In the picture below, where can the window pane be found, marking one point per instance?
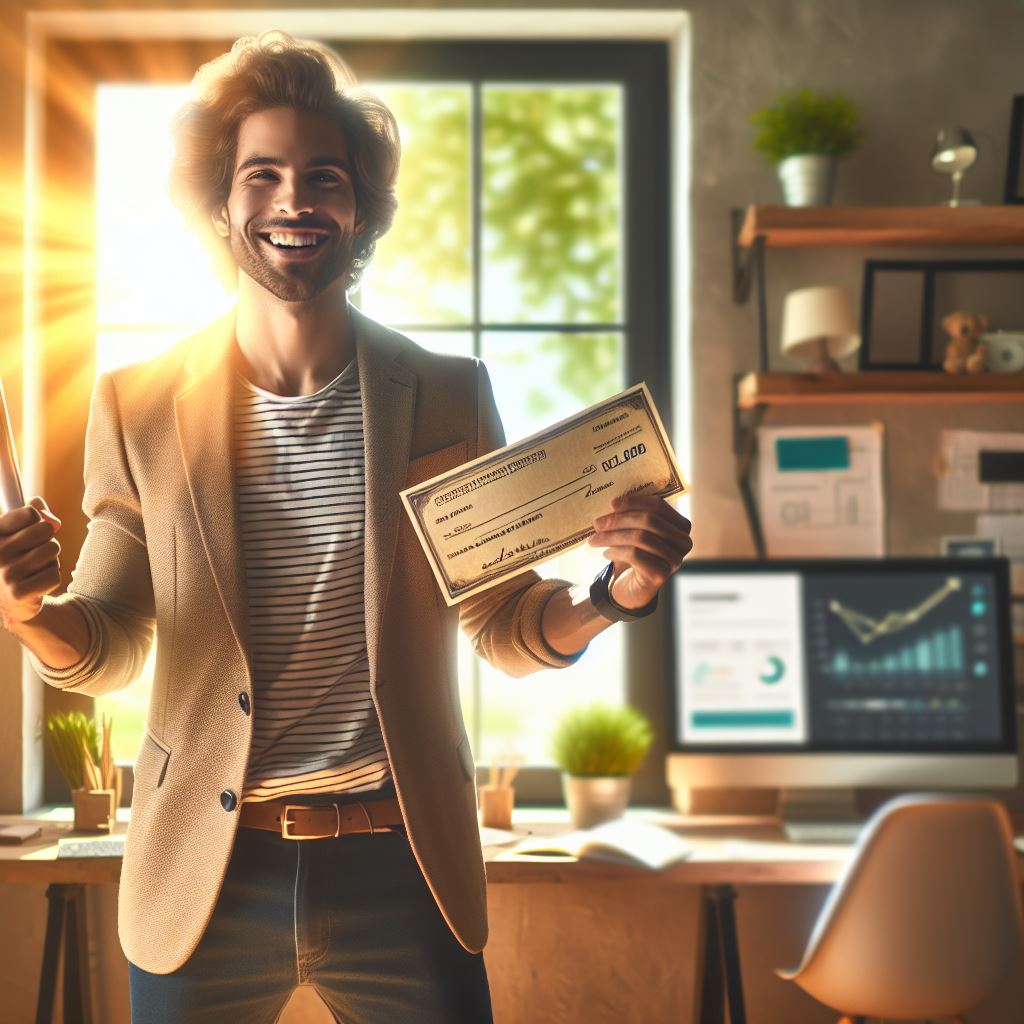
(552, 189)
(127, 708)
(151, 269)
(520, 713)
(539, 379)
(421, 272)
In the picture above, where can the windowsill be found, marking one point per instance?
(66, 813)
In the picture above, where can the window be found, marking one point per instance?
(531, 231)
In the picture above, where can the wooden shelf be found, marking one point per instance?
(877, 387)
(883, 225)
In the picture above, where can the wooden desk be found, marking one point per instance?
(732, 852)
(35, 862)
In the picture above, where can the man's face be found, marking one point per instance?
(291, 214)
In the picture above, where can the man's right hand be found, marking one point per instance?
(29, 562)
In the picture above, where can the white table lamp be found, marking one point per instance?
(818, 323)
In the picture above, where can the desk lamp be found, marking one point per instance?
(955, 150)
(818, 322)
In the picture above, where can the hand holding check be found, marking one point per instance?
(646, 540)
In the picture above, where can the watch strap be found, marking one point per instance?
(601, 599)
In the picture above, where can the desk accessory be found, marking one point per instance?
(498, 797)
(598, 748)
(625, 841)
(95, 782)
(955, 151)
(91, 846)
(11, 834)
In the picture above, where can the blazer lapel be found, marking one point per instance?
(203, 413)
(388, 392)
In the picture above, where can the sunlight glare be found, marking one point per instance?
(155, 279)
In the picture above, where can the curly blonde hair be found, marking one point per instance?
(276, 70)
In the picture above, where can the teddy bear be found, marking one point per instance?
(964, 352)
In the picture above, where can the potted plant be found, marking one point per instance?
(598, 747)
(803, 134)
(91, 775)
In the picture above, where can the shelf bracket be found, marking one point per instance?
(745, 263)
(745, 448)
(746, 266)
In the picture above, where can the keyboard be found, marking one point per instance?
(823, 832)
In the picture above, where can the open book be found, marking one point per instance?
(623, 841)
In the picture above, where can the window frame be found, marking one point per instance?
(68, 354)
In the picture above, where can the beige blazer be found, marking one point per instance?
(163, 551)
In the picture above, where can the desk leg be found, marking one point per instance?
(719, 966)
(51, 953)
(77, 995)
(65, 919)
(725, 896)
(710, 1008)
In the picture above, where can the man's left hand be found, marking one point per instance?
(646, 540)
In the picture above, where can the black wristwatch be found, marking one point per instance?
(602, 600)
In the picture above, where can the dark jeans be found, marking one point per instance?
(352, 916)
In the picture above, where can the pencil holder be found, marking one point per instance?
(94, 809)
(496, 804)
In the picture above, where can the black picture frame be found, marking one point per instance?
(927, 269)
(1013, 190)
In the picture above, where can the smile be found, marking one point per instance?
(293, 239)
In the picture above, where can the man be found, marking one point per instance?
(242, 491)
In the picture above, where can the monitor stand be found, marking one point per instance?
(820, 815)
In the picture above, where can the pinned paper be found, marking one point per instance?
(976, 471)
(821, 490)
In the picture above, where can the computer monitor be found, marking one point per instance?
(843, 673)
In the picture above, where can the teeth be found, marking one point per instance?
(294, 240)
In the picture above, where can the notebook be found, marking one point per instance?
(19, 833)
(623, 841)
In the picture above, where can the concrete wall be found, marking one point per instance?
(913, 66)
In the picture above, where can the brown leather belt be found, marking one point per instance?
(322, 821)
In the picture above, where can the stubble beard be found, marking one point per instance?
(297, 282)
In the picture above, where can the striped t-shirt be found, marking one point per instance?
(301, 498)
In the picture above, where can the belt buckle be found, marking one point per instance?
(285, 823)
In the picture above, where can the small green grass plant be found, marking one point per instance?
(71, 733)
(807, 123)
(600, 740)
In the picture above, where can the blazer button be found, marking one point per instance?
(243, 700)
(228, 800)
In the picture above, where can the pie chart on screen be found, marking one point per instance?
(774, 670)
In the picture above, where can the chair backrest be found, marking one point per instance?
(927, 920)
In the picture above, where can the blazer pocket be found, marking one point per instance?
(151, 762)
(423, 467)
(465, 753)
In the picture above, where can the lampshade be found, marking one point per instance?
(819, 318)
(955, 150)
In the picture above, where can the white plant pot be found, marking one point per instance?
(807, 180)
(595, 799)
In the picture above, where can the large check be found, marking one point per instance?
(492, 518)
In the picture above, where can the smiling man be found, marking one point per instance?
(304, 805)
